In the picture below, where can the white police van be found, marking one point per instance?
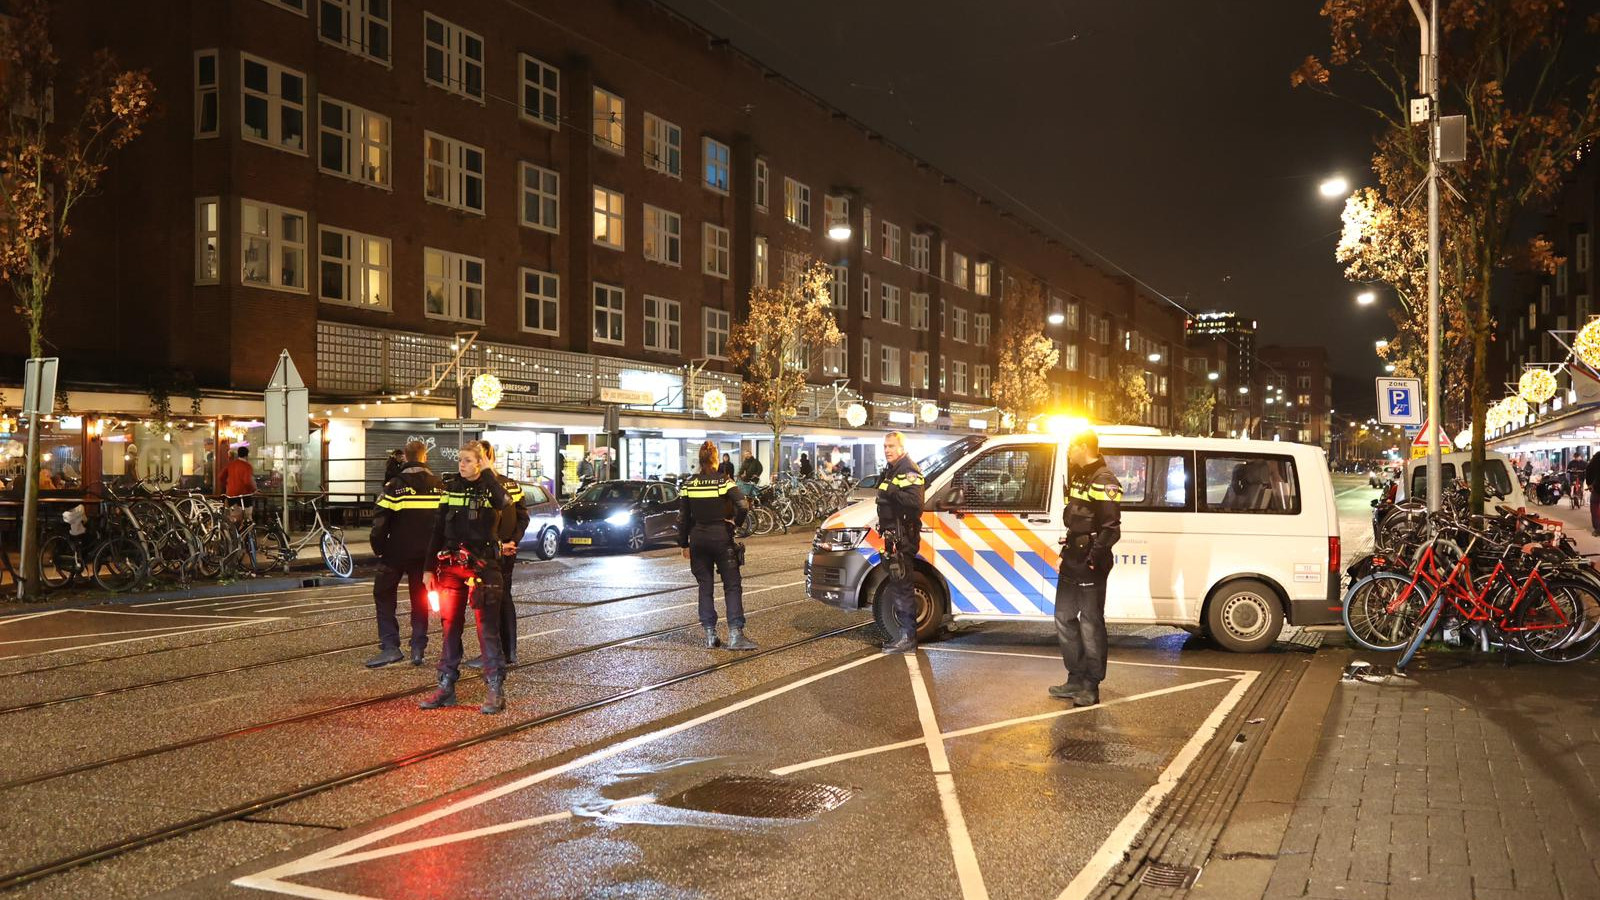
(1229, 537)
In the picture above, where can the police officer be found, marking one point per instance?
(712, 506)
(465, 555)
(513, 526)
(402, 527)
(900, 521)
(1093, 517)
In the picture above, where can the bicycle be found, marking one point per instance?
(270, 539)
(110, 558)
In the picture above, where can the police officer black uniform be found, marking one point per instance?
(711, 507)
(1093, 518)
(402, 527)
(513, 527)
(465, 555)
(900, 522)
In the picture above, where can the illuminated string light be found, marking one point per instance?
(1536, 385)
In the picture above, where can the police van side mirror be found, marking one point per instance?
(955, 498)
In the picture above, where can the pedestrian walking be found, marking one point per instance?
(464, 554)
(900, 522)
(513, 526)
(726, 469)
(711, 507)
(1093, 519)
(402, 528)
(239, 479)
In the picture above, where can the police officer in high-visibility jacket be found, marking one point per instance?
(712, 506)
(900, 522)
(1093, 517)
(402, 527)
(465, 555)
(513, 527)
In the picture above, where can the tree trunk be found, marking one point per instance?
(1480, 385)
(777, 452)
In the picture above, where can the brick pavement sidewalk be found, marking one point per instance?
(1464, 780)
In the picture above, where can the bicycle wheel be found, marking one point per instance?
(762, 521)
(1382, 609)
(1423, 628)
(272, 547)
(336, 555)
(1565, 627)
(120, 564)
(58, 561)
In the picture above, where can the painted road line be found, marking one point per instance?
(159, 615)
(660, 609)
(197, 629)
(26, 616)
(1114, 662)
(966, 858)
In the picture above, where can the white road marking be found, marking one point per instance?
(659, 609)
(159, 615)
(197, 629)
(966, 858)
(1114, 662)
(92, 634)
(329, 601)
(23, 618)
(523, 637)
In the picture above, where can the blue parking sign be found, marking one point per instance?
(1400, 401)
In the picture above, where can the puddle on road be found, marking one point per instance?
(761, 798)
(1106, 753)
(712, 792)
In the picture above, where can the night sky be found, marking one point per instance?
(1162, 134)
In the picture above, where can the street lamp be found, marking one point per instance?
(1056, 318)
(1154, 357)
(1366, 298)
(1244, 389)
(839, 231)
(1333, 187)
(1211, 376)
(1389, 368)
(1380, 343)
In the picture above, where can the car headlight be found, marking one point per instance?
(839, 538)
(620, 518)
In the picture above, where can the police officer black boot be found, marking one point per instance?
(385, 656)
(737, 640)
(712, 641)
(1088, 696)
(444, 696)
(1067, 691)
(495, 702)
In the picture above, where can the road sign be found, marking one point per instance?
(288, 405)
(39, 386)
(1400, 401)
(1421, 444)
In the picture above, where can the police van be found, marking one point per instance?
(1227, 537)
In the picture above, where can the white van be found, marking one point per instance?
(1229, 537)
(1498, 477)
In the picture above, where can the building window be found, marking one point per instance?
(718, 323)
(607, 313)
(980, 278)
(207, 111)
(1069, 357)
(608, 121)
(980, 325)
(541, 198)
(891, 366)
(663, 325)
(836, 360)
(541, 92)
(453, 173)
(719, 164)
(354, 269)
(835, 211)
(663, 146)
(207, 242)
(919, 369)
(891, 303)
(274, 242)
(718, 244)
(941, 317)
(1580, 252)
(980, 380)
(866, 229)
(541, 301)
(273, 111)
(866, 296)
(839, 287)
(608, 218)
(354, 143)
(958, 325)
(452, 285)
(1072, 315)
(452, 57)
(359, 26)
(761, 255)
(663, 234)
(891, 241)
(920, 256)
(866, 358)
(919, 311)
(796, 203)
(958, 376)
(958, 270)
(763, 177)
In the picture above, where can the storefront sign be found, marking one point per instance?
(902, 418)
(627, 397)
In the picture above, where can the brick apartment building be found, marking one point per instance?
(1296, 389)
(585, 191)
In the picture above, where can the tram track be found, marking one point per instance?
(254, 807)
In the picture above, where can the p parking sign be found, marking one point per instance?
(1400, 401)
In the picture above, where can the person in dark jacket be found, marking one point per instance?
(712, 506)
(750, 470)
(513, 527)
(1093, 518)
(900, 522)
(393, 465)
(726, 469)
(402, 526)
(806, 468)
(465, 555)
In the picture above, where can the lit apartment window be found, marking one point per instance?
(980, 325)
(541, 198)
(452, 285)
(608, 218)
(866, 358)
(891, 241)
(891, 302)
(980, 278)
(839, 287)
(608, 121)
(274, 242)
(891, 366)
(835, 210)
(541, 92)
(958, 376)
(796, 203)
(541, 302)
(607, 313)
(453, 173)
(359, 26)
(1069, 357)
(452, 57)
(717, 324)
(958, 270)
(763, 177)
(273, 111)
(207, 112)
(718, 244)
(663, 235)
(919, 252)
(866, 229)
(761, 254)
(980, 380)
(719, 164)
(1072, 314)
(207, 242)
(958, 325)
(354, 143)
(919, 369)
(836, 360)
(866, 298)
(663, 324)
(663, 146)
(919, 311)
(354, 269)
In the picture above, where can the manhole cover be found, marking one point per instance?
(1106, 753)
(761, 798)
(1163, 875)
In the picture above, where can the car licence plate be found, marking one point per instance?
(580, 541)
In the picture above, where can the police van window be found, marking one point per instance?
(1419, 478)
(1008, 479)
(1249, 483)
(1151, 481)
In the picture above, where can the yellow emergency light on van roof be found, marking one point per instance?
(1065, 426)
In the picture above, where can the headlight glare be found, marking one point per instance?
(620, 518)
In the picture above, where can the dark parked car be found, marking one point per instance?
(630, 514)
(544, 526)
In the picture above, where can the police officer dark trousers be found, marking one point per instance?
(402, 528)
(466, 574)
(513, 526)
(711, 507)
(1093, 519)
(900, 522)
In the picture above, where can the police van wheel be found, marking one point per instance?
(547, 544)
(1244, 616)
(930, 609)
